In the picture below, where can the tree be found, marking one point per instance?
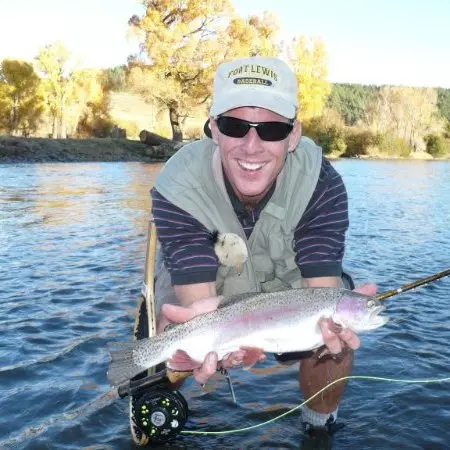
(68, 89)
(21, 102)
(114, 78)
(351, 100)
(184, 43)
(436, 145)
(57, 68)
(443, 102)
(308, 59)
(254, 36)
(409, 113)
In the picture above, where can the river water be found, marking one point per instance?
(72, 250)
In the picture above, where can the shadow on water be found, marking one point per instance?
(72, 249)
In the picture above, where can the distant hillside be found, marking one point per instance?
(351, 100)
(131, 112)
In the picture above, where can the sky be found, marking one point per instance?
(396, 42)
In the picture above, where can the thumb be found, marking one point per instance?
(367, 289)
(177, 314)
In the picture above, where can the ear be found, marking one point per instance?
(214, 130)
(295, 136)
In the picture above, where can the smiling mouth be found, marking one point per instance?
(250, 166)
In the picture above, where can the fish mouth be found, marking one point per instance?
(375, 320)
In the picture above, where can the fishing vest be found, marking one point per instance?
(193, 180)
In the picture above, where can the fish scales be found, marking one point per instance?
(278, 321)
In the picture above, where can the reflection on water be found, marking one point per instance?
(72, 249)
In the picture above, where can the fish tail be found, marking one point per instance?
(122, 366)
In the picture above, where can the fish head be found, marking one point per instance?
(359, 312)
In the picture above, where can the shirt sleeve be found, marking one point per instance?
(319, 238)
(186, 244)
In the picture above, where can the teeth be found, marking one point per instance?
(251, 166)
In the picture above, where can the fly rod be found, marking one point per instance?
(413, 285)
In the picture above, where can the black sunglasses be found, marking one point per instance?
(267, 131)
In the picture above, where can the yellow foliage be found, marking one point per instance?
(21, 102)
(406, 112)
(185, 42)
(308, 59)
(68, 90)
(254, 36)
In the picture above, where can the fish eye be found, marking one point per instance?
(371, 303)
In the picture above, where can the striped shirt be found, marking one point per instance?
(319, 238)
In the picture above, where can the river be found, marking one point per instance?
(72, 250)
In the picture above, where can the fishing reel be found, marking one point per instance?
(158, 412)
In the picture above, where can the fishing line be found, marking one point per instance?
(382, 296)
(350, 377)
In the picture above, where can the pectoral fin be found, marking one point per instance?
(181, 361)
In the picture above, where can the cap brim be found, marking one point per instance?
(254, 97)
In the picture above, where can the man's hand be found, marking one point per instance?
(179, 314)
(336, 340)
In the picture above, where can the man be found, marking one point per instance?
(256, 177)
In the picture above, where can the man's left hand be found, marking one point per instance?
(335, 341)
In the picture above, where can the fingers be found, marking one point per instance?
(336, 340)
(335, 337)
(179, 314)
(234, 359)
(351, 339)
(208, 368)
(162, 322)
(367, 289)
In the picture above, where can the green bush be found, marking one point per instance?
(436, 145)
(358, 142)
(401, 148)
(329, 137)
(391, 145)
(338, 146)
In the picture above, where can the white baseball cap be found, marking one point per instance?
(259, 81)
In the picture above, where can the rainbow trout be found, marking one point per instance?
(277, 322)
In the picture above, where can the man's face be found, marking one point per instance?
(250, 163)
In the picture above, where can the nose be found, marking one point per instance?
(251, 141)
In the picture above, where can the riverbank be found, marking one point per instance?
(43, 150)
(36, 150)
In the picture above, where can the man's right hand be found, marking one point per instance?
(180, 314)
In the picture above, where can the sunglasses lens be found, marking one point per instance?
(267, 131)
(274, 131)
(232, 127)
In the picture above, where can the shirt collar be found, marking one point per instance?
(238, 206)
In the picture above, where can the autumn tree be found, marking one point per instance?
(21, 102)
(91, 111)
(407, 112)
(55, 64)
(184, 43)
(252, 36)
(307, 57)
(68, 89)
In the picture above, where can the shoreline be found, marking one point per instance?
(14, 150)
(46, 150)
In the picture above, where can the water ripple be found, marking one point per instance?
(72, 249)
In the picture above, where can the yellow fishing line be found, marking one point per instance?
(351, 377)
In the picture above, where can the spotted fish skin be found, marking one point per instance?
(276, 322)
